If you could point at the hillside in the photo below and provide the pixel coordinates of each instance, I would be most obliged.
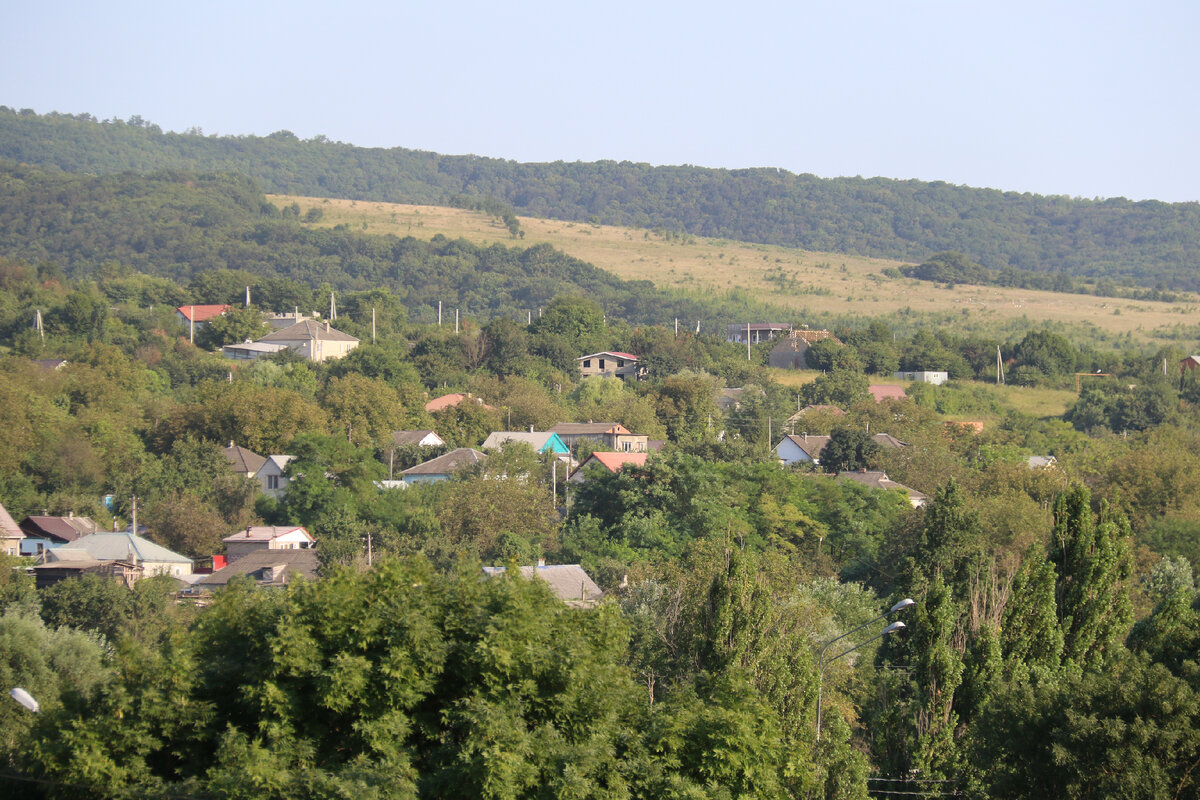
(1144, 243)
(184, 226)
(820, 288)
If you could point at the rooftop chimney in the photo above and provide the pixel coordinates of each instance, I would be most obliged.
(541, 562)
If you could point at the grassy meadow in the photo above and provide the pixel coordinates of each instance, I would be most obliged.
(807, 282)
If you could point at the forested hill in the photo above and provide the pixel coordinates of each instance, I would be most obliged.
(1145, 243)
(179, 225)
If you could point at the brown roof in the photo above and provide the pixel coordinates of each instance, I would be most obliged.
(284, 564)
(243, 460)
(813, 336)
(308, 329)
(65, 529)
(411, 437)
(586, 428)
(450, 462)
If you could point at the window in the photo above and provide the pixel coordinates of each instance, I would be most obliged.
(602, 363)
(587, 362)
(272, 482)
(627, 446)
(620, 362)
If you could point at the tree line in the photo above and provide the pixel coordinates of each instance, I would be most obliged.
(1138, 243)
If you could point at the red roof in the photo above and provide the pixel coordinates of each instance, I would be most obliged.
(885, 391)
(614, 461)
(201, 313)
(451, 400)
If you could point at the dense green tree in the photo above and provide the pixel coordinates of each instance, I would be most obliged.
(238, 324)
(848, 449)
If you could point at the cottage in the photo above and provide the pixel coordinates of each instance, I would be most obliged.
(443, 467)
(11, 534)
(154, 559)
(46, 532)
(569, 582)
(271, 475)
(877, 479)
(315, 341)
(267, 537)
(196, 317)
(540, 441)
(612, 435)
(244, 462)
(613, 462)
(264, 567)
(426, 438)
(611, 364)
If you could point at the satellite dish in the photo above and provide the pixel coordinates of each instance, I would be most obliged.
(25, 698)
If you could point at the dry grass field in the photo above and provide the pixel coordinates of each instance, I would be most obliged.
(807, 282)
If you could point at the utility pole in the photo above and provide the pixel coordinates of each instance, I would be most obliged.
(456, 321)
(747, 341)
(192, 324)
(372, 324)
(133, 514)
(439, 313)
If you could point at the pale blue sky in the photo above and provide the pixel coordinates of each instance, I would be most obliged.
(1082, 99)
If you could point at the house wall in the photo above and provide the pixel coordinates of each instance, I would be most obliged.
(791, 453)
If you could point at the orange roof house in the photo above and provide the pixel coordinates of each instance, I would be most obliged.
(451, 400)
(613, 462)
(201, 314)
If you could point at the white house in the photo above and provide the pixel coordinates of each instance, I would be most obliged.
(270, 475)
(267, 537)
(315, 341)
(801, 449)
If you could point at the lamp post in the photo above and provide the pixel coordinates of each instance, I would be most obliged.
(822, 661)
(25, 699)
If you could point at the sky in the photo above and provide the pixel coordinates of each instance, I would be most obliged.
(1084, 99)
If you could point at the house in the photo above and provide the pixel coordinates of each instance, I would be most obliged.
(271, 475)
(418, 438)
(264, 567)
(316, 341)
(935, 378)
(886, 391)
(77, 563)
(11, 534)
(612, 435)
(540, 441)
(54, 364)
(877, 479)
(800, 448)
(451, 400)
(198, 316)
(755, 332)
(568, 582)
(267, 537)
(611, 364)
(822, 408)
(443, 467)
(45, 532)
(154, 559)
(248, 351)
(1042, 462)
(791, 351)
(806, 449)
(245, 462)
(613, 462)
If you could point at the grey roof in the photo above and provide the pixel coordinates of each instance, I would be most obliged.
(245, 461)
(294, 563)
(411, 437)
(535, 439)
(118, 546)
(450, 462)
(877, 479)
(568, 582)
(310, 330)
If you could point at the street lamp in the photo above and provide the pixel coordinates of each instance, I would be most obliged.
(821, 660)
